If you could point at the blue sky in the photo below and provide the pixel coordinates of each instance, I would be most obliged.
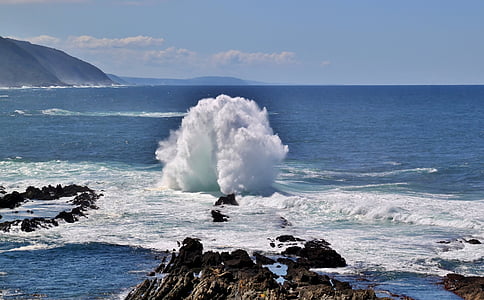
(279, 41)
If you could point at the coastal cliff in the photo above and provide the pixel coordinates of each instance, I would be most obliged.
(26, 64)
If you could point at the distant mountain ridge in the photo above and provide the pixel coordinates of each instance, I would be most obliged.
(206, 80)
(26, 64)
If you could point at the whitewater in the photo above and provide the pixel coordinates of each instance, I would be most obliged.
(390, 176)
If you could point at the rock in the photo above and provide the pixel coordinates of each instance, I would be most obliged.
(218, 216)
(229, 200)
(473, 242)
(469, 288)
(29, 225)
(189, 256)
(263, 260)
(237, 259)
(234, 276)
(85, 200)
(288, 238)
(11, 200)
(316, 254)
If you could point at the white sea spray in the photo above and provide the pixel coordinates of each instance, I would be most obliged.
(222, 144)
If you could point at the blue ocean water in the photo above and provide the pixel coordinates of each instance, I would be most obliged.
(391, 176)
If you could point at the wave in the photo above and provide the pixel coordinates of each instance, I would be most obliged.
(222, 144)
(309, 173)
(142, 114)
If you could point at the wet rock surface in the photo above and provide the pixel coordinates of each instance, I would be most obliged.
(197, 275)
(469, 288)
(84, 199)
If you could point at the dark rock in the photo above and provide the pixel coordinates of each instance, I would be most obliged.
(11, 200)
(262, 259)
(2, 190)
(288, 238)
(29, 225)
(218, 216)
(229, 200)
(316, 254)
(190, 256)
(85, 200)
(237, 259)
(469, 288)
(211, 259)
(235, 276)
(473, 242)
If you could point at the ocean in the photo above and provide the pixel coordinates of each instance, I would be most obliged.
(391, 176)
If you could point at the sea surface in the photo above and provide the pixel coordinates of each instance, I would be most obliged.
(391, 176)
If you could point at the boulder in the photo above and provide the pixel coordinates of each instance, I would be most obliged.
(218, 216)
(228, 200)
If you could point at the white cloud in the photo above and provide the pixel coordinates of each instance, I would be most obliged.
(325, 63)
(239, 57)
(45, 40)
(169, 55)
(86, 41)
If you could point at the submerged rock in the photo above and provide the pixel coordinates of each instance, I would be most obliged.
(194, 275)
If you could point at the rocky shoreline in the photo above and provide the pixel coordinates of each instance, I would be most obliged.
(84, 199)
(194, 274)
(197, 275)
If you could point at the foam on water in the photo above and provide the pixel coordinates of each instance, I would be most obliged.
(63, 112)
(223, 144)
(372, 230)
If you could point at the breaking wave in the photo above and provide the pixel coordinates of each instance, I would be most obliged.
(222, 144)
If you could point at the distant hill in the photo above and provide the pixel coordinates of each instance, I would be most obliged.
(26, 64)
(207, 80)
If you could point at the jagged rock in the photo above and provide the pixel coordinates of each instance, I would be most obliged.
(218, 216)
(85, 200)
(469, 288)
(29, 225)
(229, 200)
(316, 254)
(234, 276)
(238, 259)
(190, 256)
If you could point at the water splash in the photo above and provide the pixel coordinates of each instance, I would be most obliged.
(222, 144)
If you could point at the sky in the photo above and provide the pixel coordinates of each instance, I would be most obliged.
(323, 42)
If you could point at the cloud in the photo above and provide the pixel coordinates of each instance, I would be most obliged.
(169, 55)
(140, 41)
(45, 40)
(325, 63)
(239, 57)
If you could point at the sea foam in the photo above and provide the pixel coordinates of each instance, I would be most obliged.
(222, 144)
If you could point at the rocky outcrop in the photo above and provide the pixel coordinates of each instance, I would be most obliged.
(84, 199)
(469, 288)
(194, 275)
(226, 200)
